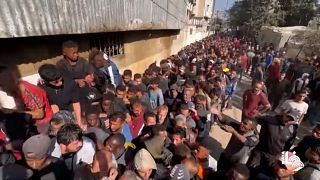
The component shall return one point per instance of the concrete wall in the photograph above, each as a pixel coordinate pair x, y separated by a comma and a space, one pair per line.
278, 35
140, 53
141, 48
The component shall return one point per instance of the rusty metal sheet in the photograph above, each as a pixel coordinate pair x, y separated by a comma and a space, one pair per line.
22, 18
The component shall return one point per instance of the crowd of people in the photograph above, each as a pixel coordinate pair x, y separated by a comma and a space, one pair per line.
85, 120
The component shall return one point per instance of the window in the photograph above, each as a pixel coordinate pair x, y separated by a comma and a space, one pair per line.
111, 44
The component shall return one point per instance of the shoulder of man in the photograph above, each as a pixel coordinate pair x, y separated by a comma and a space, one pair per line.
61, 62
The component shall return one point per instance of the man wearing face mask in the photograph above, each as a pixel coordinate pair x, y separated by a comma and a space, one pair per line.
63, 93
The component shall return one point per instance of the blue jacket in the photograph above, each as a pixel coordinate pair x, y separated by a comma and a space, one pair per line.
115, 71
126, 132
231, 86
269, 60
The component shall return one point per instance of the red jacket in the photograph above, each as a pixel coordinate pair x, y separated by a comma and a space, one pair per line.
274, 71
136, 125
35, 98
245, 61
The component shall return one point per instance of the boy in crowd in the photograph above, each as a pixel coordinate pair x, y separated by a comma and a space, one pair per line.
137, 80
118, 125
297, 104
230, 89
127, 77
155, 94
72, 65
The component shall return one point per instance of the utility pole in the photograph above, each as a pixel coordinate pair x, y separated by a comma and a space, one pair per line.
251, 13
227, 4
215, 21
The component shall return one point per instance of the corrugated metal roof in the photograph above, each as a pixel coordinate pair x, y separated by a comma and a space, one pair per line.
21, 18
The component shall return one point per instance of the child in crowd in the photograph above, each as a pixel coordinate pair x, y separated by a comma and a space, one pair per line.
155, 94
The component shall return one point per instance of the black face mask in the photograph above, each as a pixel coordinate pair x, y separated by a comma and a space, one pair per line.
55, 87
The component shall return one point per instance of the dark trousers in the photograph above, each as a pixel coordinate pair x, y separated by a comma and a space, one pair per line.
224, 164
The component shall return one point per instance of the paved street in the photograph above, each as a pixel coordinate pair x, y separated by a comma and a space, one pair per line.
222, 137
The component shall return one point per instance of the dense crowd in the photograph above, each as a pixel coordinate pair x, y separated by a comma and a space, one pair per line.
85, 120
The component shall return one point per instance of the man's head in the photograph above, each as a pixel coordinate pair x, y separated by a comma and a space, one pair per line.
159, 130
35, 150
129, 175
178, 136
69, 138
181, 152
174, 90
189, 86
301, 95
92, 117
184, 109
127, 76
257, 87
238, 172
144, 164
313, 153
51, 75
162, 113
200, 101
115, 144
202, 152
137, 78
121, 92
10, 80
107, 104
70, 50
233, 74
150, 119
116, 122
217, 81
316, 132
137, 108
132, 91
180, 121
59, 119
282, 76
97, 58
247, 124
154, 83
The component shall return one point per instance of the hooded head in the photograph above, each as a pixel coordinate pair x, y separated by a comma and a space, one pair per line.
144, 164
305, 76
